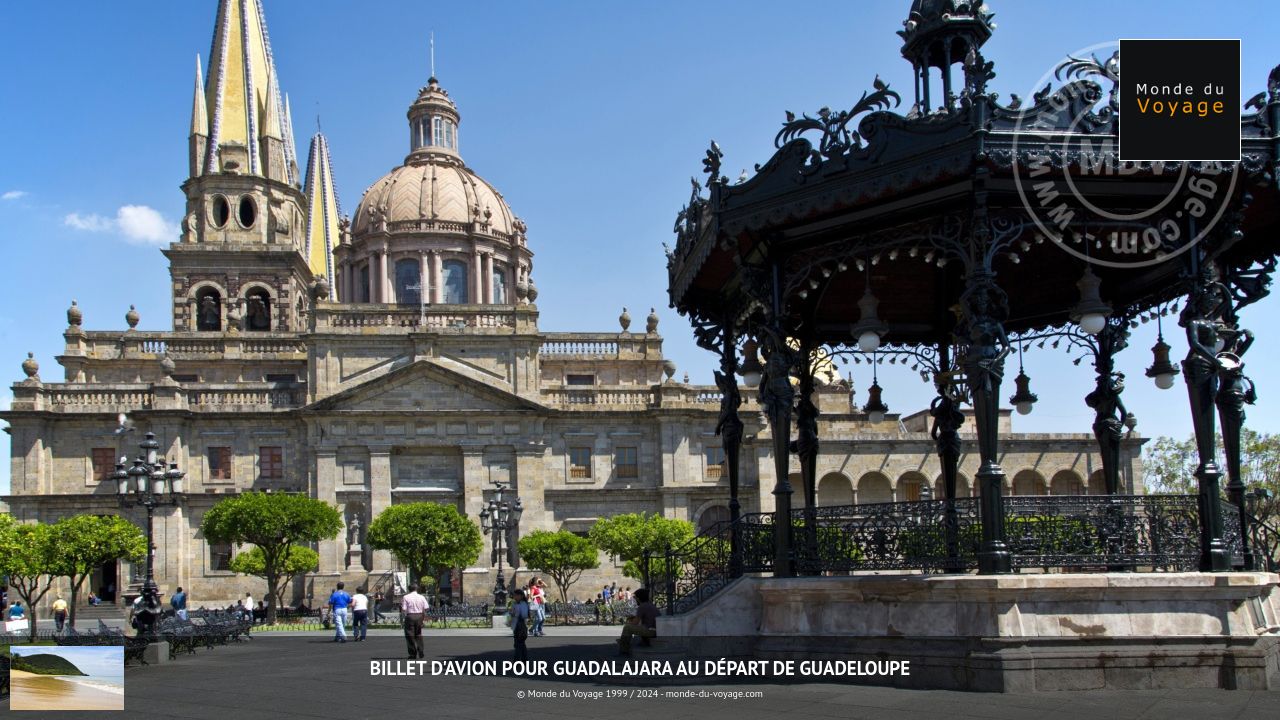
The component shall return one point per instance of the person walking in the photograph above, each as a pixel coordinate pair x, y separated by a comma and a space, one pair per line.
518, 616
537, 605
359, 615
59, 613
376, 607
413, 608
339, 601
246, 607
179, 603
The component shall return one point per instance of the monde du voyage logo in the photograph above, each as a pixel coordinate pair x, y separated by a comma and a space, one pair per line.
1172, 113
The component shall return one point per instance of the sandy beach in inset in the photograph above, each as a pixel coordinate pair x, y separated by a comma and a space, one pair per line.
29, 691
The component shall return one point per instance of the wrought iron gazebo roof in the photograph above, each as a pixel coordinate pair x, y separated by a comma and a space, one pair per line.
898, 191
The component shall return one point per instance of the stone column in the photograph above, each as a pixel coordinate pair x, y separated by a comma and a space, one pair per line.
424, 278
333, 550
379, 497
437, 273
487, 277
477, 292
477, 581
384, 285
389, 275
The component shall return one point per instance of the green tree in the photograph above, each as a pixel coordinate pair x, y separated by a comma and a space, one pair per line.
562, 555
631, 536
84, 542
298, 560
276, 523
426, 537
28, 557
1170, 465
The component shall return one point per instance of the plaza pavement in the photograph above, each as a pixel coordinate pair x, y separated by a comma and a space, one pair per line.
306, 675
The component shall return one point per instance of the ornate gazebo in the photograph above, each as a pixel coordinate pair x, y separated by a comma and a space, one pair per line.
952, 237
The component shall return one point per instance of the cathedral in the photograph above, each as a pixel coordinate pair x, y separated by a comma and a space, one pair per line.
394, 356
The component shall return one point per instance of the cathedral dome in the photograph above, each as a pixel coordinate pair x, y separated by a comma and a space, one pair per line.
431, 230
434, 193
434, 190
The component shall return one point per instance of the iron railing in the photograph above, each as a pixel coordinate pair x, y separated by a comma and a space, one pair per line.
1075, 533
1264, 543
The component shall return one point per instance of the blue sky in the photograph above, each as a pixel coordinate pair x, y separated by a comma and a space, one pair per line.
101, 661
588, 117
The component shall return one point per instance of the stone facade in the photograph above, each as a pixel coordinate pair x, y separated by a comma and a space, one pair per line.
402, 361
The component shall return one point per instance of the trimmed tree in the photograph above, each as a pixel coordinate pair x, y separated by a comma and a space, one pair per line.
276, 523
28, 555
298, 560
562, 555
426, 537
84, 542
631, 536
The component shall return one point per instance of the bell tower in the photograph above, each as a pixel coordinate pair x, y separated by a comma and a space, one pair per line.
241, 262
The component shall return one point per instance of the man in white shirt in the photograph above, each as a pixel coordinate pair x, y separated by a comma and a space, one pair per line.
359, 615
413, 609
246, 606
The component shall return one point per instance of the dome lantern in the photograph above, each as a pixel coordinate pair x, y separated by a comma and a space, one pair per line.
433, 122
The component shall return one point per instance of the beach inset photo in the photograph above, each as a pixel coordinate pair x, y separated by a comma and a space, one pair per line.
50, 677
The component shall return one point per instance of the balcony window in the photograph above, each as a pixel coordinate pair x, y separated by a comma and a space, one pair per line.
626, 463
715, 462
408, 282
271, 462
104, 463
454, 279
219, 463
579, 462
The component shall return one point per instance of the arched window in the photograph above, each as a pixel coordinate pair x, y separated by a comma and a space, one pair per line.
1066, 482
257, 316
1029, 482
711, 517
874, 488
454, 279
499, 285
362, 282
437, 130
208, 310
835, 489
408, 282
909, 486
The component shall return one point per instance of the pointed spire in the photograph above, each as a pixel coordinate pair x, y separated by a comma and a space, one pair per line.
322, 211
271, 117
199, 117
242, 97
290, 147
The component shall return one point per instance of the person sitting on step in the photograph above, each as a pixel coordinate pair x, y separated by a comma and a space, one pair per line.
643, 624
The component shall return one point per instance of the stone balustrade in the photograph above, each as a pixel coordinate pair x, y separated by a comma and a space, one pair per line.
581, 348
375, 317
125, 398
701, 397
106, 345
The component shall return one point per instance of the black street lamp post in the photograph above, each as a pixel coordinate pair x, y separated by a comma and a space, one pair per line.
500, 518
149, 484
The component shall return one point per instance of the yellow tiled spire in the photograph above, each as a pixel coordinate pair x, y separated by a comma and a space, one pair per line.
242, 97
322, 211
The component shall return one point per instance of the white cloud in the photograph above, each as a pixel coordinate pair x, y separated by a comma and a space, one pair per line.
91, 223
137, 224
13, 195
145, 225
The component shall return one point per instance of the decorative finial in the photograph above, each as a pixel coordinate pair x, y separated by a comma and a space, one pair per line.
533, 292
686, 377
433, 58
669, 367
31, 367
651, 324
132, 317
167, 366
624, 319
74, 315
